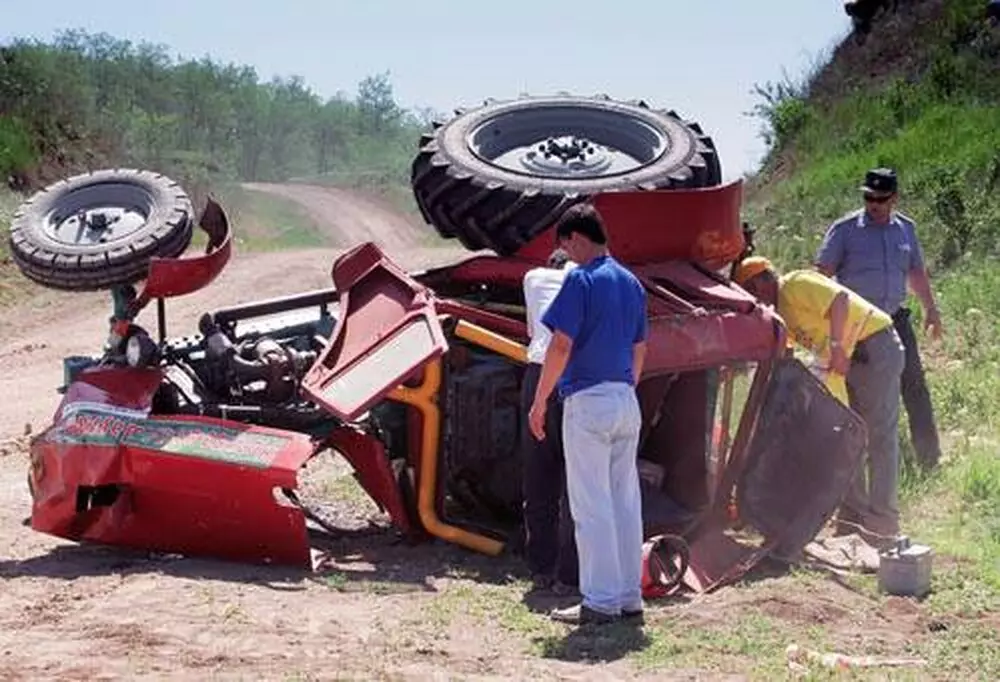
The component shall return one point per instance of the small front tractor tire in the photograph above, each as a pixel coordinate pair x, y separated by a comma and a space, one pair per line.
100, 229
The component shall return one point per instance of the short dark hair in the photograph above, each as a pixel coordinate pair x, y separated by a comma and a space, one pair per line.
585, 219
557, 259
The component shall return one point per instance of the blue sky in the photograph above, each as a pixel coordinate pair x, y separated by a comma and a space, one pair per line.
700, 57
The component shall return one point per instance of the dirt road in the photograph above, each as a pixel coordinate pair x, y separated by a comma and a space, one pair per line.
352, 218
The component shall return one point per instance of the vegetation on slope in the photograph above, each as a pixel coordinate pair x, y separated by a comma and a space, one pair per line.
940, 128
923, 96
12, 285
91, 99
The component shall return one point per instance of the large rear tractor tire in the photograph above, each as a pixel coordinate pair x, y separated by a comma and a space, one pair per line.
100, 229
498, 175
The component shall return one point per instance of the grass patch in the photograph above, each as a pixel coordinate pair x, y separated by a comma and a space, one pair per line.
964, 372
749, 642
966, 651
346, 490
957, 512
13, 284
485, 603
263, 222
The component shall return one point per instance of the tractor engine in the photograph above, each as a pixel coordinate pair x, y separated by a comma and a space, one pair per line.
259, 369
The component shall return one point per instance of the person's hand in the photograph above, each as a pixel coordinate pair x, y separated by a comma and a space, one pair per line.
932, 323
536, 420
839, 362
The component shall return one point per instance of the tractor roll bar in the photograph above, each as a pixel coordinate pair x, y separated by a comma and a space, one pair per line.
492, 341
308, 299
423, 398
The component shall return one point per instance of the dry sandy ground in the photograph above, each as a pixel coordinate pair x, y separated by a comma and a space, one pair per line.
380, 610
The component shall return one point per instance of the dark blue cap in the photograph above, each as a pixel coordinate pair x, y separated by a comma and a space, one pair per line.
880, 181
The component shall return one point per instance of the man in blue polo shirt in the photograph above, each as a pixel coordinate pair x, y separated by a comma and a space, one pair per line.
598, 323
874, 251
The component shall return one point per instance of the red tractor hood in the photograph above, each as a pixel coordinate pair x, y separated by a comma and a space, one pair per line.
109, 472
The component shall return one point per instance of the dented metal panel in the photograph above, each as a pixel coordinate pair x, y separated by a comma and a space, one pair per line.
192, 485
804, 452
388, 328
803, 449
696, 320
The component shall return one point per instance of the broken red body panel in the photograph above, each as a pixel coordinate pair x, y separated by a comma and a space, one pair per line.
366, 454
387, 330
107, 472
172, 277
696, 320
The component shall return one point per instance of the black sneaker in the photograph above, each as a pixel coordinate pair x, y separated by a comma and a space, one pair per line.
633, 616
581, 615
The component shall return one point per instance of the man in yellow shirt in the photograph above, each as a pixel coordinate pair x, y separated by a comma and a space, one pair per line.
864, 360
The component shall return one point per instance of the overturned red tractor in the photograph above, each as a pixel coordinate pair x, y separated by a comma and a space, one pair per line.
193, 444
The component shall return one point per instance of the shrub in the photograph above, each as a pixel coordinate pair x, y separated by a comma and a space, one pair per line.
17, 153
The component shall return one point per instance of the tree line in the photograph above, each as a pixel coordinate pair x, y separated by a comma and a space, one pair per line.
118, 102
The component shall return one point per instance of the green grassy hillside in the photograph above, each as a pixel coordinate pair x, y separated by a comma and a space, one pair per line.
921, 95
83, 101
939, 126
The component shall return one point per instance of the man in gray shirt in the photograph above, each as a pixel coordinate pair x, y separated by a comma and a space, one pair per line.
875, 252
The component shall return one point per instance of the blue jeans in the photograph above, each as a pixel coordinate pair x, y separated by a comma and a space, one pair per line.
601, 438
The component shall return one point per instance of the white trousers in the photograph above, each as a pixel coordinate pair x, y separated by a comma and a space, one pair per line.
601, 438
